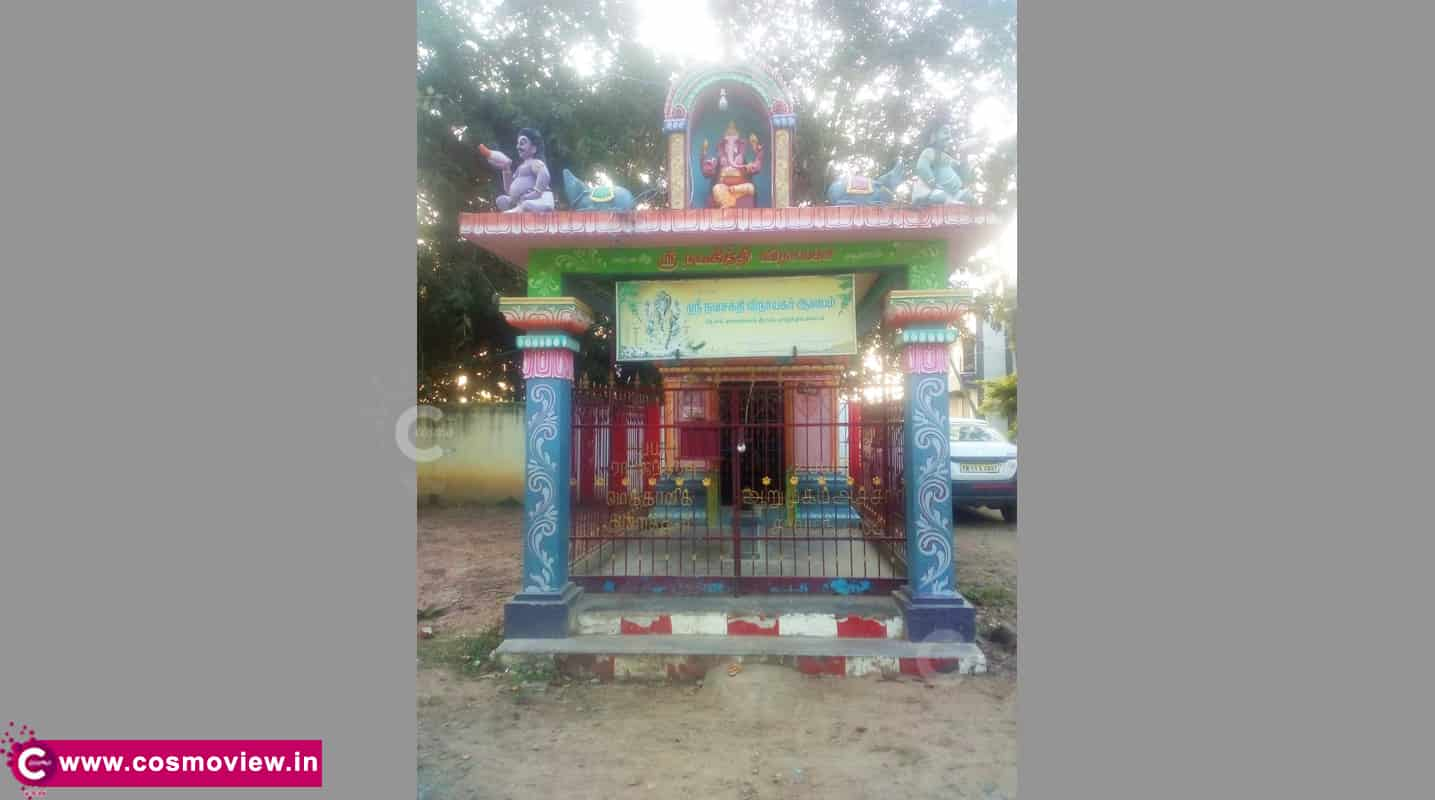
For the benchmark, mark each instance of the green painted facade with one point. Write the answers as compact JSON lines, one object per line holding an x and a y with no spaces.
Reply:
{"x":922,"y":263}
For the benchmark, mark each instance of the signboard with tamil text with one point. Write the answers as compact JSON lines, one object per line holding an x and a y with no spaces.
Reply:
{"x":736,"y":318}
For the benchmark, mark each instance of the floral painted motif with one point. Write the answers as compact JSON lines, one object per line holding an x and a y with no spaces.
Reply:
{"x":544,"y":280}
{"x":677,"y":166}
{"x":932,"y":482}
{"x":541,"y":480}
{"x":579,"y":260}
{"x":547,"y":314}
{"x":927,"y":274}
{"x":925,"y":307}
{"x":781,"y":171}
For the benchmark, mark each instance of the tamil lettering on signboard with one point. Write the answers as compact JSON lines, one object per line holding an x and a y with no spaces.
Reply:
{"x":736,"y":318}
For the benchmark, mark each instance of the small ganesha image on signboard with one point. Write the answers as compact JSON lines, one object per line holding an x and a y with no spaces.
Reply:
{"x":663,"y":323}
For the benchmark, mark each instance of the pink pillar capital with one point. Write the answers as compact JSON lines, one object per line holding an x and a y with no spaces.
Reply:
{"x":924,"y":359}
{"x":548,"y":362}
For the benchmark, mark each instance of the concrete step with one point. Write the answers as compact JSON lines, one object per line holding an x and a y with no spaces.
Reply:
{"x":828,"y":617}
{"x":690,"y":657}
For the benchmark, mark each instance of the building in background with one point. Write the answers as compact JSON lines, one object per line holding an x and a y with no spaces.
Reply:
{"x":982,"y":354}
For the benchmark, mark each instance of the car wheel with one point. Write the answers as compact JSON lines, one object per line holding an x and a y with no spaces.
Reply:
{"x":1009,"y":513}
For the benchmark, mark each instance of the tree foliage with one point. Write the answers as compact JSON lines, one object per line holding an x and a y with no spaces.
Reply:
{"x":872,"y":79}
{"x":868,"y":79}
{"x":1001,"y":399}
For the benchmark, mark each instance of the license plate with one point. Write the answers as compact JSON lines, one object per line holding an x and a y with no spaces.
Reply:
{"x":980,"y":468}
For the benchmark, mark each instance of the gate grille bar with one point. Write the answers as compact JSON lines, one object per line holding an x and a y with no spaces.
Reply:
{"x":737,"y":486}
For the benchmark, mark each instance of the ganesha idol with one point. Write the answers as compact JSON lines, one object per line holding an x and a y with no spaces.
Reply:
{"x":730,"y":173}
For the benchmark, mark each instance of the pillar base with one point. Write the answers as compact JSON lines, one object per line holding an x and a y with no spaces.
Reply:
{"x":937,"y":619}
{"x":539,"y":616}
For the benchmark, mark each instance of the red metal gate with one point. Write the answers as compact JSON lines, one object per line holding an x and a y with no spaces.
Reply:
{"x":736,"y":486}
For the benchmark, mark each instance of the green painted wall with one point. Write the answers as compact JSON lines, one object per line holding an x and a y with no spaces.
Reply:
{"x":923,"y":263}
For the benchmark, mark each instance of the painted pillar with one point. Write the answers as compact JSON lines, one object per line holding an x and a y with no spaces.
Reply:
{"x":540,"y":609}
{"x":676,"y":129}
{"x":930,"y":602}
{"x":784,"y":123}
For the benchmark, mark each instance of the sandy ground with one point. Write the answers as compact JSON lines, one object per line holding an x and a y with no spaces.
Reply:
{"x":769,"y":732}
{"x":469,"y":563}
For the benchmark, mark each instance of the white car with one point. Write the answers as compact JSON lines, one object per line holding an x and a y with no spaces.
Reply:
{"x":983,"y":467}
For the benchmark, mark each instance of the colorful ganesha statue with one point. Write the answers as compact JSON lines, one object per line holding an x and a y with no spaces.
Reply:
{"x":730,"y":172}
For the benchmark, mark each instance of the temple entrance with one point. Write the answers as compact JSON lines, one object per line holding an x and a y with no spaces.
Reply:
{"x":751,"y":414}
{"x":735,"y":481}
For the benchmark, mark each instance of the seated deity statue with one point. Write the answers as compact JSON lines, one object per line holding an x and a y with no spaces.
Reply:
{"x":939,"y":174}
{"x":730,"y":172}
{"x":527,"y":187}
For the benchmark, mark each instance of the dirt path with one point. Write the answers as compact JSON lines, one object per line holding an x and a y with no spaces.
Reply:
{"x":469,"y":563}
{"x":767,"y":733}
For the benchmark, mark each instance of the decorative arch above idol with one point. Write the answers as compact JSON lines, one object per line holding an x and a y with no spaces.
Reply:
{"x":729,"y":135}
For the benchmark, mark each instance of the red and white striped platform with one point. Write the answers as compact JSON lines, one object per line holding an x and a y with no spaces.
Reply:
{"x":822,"y":624}
{"x":628,"y":637}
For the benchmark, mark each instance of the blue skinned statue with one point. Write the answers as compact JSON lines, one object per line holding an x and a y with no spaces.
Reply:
{"x":941,"y":178}
{"x":860,"y":190}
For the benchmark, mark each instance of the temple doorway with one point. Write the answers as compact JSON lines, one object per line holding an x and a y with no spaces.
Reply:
{"x":752,"y":425}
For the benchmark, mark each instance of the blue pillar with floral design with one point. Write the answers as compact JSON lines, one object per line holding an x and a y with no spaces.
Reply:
{"x":931,"y":605}
{"x":541,"y":608}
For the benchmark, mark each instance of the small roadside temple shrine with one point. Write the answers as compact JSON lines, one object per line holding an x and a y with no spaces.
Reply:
{"x":756,"y":469}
